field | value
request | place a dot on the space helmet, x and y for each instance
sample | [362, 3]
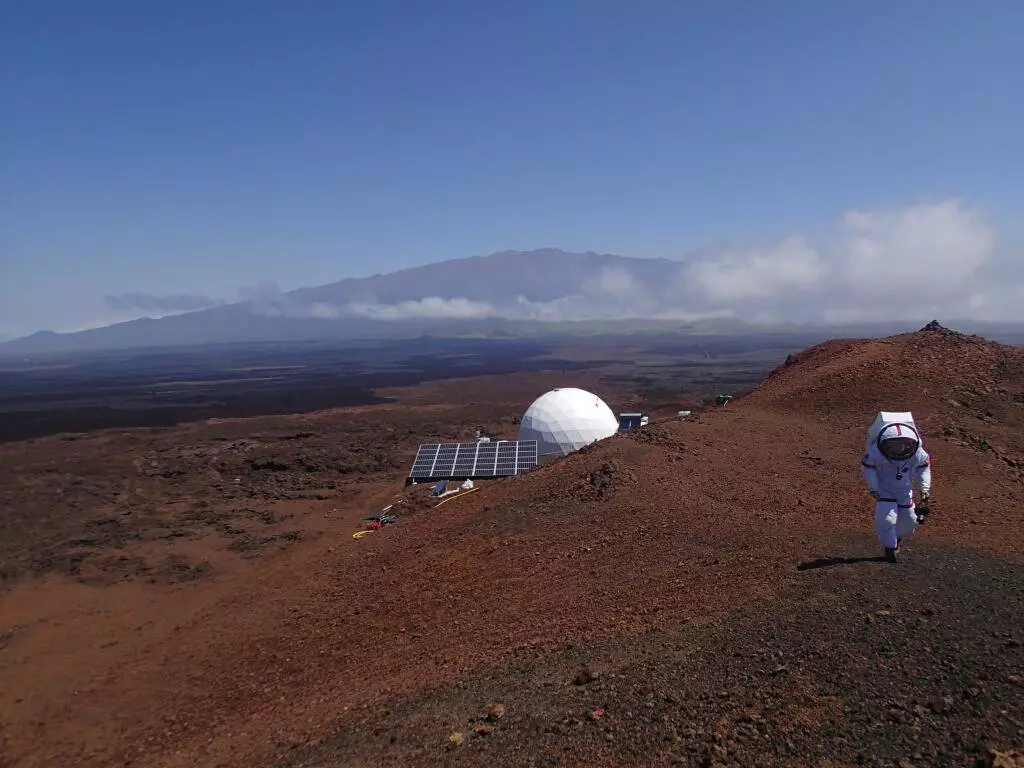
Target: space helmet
[898, 441]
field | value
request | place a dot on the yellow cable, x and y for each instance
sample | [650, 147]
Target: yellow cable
[457, 496]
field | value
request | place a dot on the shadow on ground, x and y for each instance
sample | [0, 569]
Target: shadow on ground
[828, 562]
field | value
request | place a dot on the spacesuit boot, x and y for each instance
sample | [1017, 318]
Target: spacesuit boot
[894, 522]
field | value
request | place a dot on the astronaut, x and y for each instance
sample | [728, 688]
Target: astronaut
[893, 463]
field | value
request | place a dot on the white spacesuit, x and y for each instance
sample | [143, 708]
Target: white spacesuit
[894, 461]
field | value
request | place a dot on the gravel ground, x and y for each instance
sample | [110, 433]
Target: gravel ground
[857, 664]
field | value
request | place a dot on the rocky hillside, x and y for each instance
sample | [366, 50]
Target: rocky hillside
[695, 593]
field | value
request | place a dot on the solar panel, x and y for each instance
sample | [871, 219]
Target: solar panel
[461, 461]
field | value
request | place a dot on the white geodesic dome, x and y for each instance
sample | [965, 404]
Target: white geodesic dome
[566, 419]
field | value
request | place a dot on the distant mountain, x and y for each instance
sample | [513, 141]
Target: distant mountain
[511, 293]
[503, 280]
[460, 295]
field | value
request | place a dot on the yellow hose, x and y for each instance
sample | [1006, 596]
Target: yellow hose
[457, 496]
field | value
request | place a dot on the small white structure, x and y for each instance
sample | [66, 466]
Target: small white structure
[629, 421]
[566, 419]
[683, 414]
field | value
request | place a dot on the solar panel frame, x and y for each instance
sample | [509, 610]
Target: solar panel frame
[477, 460]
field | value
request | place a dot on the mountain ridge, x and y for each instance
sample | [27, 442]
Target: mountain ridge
[545, 290]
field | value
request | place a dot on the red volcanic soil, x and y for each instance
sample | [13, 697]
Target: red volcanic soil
[704, 592]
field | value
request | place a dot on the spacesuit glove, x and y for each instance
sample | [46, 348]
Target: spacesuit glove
[923, 509]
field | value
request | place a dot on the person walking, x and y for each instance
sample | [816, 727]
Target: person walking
[896, 461]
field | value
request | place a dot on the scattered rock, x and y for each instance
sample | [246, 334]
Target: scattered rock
[267, 464]
[996, 759]
[495, 711]
[584, 676]
[606, 479]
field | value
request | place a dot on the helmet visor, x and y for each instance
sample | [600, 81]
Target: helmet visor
[898, 447]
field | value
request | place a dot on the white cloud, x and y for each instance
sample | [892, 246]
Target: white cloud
[927, 260]
[323, 310]
[733, 275]
[587, 305]
[266, 298]
[1003, 300]
[564, 308]
[430, 307]
[614, 282]
[928, 249]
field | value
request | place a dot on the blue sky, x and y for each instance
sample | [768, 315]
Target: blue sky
[198, 147]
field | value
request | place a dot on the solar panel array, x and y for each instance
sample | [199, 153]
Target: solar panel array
[459, 461]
